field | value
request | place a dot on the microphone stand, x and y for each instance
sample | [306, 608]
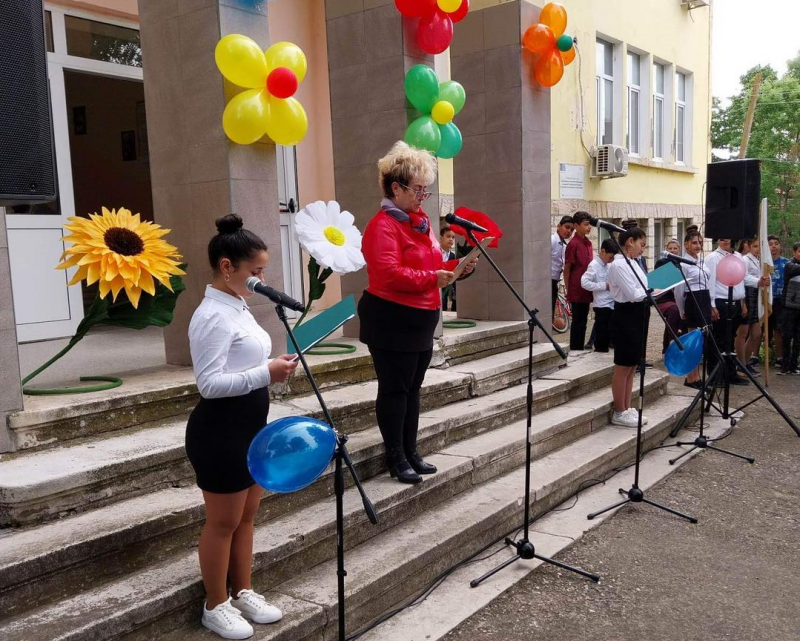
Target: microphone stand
[635, 494]
[525, 549]
[341, 455]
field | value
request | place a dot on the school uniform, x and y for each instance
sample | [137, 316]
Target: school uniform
[557, 249]
[694, 303]
[595, 280]
[628, 330]
[719, 300]
[579, 254]
[752, 276]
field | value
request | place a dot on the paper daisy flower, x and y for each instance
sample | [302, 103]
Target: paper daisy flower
[330, 236]
[121, 252]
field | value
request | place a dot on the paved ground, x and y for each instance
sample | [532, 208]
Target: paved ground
[733, 576]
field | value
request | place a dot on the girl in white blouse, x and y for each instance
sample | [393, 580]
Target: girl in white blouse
[230, 355]
[627, 322]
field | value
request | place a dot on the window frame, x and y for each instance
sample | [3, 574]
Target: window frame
[634, 89]
[684, 105]
[601, 78]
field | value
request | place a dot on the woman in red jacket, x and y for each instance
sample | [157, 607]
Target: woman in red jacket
[400, 308]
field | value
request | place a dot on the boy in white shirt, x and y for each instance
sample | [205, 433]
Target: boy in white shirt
[595, 280]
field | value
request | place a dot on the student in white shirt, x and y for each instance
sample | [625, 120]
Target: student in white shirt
[595, 280]
[230, 355]
[558, 243]
[694, 305]
[719, 305]
[628, 329]
[748, 338]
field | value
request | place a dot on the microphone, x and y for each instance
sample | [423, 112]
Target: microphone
[596, 222]
[678, 259]
[279, 298]
[463, 222]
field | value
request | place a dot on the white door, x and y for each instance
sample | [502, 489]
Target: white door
[290, 247]
[44, 305]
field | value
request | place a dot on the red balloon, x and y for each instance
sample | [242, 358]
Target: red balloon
[415, 8]
[459, 14]
[549, 68]
[435, 33]
[282, 82]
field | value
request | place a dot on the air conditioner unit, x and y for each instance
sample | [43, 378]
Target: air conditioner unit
[610, 161]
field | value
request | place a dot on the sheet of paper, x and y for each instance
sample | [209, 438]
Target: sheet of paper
[462, 264]
[313, 331]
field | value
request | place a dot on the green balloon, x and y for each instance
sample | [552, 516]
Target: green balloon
[451, 141]
[564, 43]
[454, 93]
[424, 133]
[422, 87]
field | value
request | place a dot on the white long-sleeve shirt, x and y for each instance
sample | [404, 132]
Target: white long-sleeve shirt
[230, 351]
[557, 248]
[753, 274]
[696, 275]
[717, 289]
[594, 280]
[623, 284]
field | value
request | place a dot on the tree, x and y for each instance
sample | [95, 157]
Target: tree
[775, 140]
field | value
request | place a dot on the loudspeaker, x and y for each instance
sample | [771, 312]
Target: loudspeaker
[27, 168]
[733, 194]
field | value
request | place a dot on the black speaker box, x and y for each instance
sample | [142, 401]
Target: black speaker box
[27, 167]
[733, 194]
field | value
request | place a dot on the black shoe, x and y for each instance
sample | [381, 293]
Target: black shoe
[753, 371]
[648, 365]
[784, 372]
[400, 468]
[739, 380]
[420, 466]
[696, 385]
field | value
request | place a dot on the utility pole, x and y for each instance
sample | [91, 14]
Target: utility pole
[751, 113]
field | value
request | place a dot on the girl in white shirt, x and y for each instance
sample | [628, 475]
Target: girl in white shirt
[230, 354]
[627, 322]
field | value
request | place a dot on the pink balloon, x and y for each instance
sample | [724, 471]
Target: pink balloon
[730, 271]
[434, 33]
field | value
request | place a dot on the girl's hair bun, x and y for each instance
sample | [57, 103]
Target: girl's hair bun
[229, 224]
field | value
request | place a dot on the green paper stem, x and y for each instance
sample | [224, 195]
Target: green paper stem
[459, 324]
[111, 383]
[331, 349]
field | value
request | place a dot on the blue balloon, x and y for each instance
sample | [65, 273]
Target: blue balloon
[680, 363]
[290, 453]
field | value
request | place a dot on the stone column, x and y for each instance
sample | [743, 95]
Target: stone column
[504, 167]
[197, 174]
[369, 51]
[10, 377]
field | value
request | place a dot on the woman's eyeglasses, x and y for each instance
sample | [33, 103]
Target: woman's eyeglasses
[421, 193]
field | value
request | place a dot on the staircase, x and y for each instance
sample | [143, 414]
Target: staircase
[100, 515]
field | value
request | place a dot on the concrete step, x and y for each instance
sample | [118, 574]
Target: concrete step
[74, 552]
[477, 498]
[169, 391]
[89, 473]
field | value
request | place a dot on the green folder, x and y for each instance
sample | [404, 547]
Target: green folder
[315, 330]
[665, 277]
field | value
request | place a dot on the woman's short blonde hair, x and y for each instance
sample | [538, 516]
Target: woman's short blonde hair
[404, 164]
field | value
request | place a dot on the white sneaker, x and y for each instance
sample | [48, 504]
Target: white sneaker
[623, 419]
[634, 414]
[226, 621]
[255, 608]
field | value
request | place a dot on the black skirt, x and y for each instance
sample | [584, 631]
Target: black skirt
[627, 332]
[218, 436]
[392, 326]
[751, 298]
[697, 316]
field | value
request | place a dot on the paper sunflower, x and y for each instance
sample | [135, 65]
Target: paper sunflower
[121, 252]
[330, 236]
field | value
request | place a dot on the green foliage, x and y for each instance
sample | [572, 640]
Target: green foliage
[774, 139]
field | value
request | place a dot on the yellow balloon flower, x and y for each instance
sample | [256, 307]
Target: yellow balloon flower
[271, 77]
[443, 112]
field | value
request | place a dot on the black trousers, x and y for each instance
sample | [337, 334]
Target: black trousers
[602, 328]
[790, 335]
[720, 332]
[580, 318]
[400, 377]
[554, 295]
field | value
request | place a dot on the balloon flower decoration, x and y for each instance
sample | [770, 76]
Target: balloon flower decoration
[290, 453]
[731, 270]
[436, 18]
[438, 103]
[479, 218]
[680, 363]
[548, 41]
[271, 78]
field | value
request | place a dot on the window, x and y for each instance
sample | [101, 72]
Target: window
[658, 111]
[101, 41]
[605, 92]
[680, 120]
[658, 237]
[634, 99]
[48, 31]
[681, 231]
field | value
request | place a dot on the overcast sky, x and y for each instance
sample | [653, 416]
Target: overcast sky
[751, 32]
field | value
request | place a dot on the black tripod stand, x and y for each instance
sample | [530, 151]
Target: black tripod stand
[341, 455]
[525, 549]
[727, 365]
[635, 494]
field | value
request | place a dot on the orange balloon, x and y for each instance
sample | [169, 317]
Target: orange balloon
[549, 69]
[568, 56]
[554, 16]
[539, 38]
